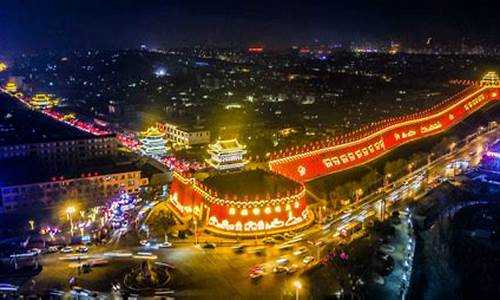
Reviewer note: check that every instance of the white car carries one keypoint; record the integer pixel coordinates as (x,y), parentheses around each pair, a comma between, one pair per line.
(282,261)
(165,245)
(52,249)
(256,274)
(279,269)
(320,243)
(35,250)
(7,287)
(145,255)
(301,251)
(145,243)
(82,249)
(308,259)
(67,249)
(385,248)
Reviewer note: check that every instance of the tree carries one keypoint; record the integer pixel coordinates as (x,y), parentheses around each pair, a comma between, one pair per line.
(443,146)
(396,167)
(370,181)
(418,159)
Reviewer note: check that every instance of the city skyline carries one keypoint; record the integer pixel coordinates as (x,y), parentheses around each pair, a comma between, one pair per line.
(53,25)
(288,150)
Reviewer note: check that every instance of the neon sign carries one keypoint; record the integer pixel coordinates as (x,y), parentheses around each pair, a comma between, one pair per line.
(354,155)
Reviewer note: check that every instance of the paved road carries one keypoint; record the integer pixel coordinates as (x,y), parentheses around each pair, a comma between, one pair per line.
(220,273)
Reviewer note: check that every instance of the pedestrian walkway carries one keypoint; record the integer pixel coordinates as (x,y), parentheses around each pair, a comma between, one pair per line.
(396,284)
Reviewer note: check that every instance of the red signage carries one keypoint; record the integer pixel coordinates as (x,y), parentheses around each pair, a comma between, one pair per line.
(316,163)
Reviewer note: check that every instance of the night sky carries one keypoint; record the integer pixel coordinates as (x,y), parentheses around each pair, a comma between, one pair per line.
(35,24)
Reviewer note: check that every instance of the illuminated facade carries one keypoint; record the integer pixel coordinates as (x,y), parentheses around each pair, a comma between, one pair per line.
(227,155)
(491,159)
(490,79)
(11,87)
(49,190)
(3,67)
(184,136)
(42,101)
(153,143)
(240,215)
(336,154)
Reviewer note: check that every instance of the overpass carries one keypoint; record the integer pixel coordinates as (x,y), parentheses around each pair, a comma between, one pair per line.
(310,161)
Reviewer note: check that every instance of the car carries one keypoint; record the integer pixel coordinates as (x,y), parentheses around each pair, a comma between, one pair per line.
(279,269)
(35,250)
(98,262)
(301,251)
(378,279)
(285,247)
(115,286)
(256,274)
(292,269)
(82,249)
(52,249)
(145,255)
(209,246)
(239,248)
(282,261)
(145,243)
(257,268)
(259,250)
(269,241)
(383,256)
(320,243)
(279,237)
(308,259)
(7,287)
(67,249)
(386,248)
(165,245)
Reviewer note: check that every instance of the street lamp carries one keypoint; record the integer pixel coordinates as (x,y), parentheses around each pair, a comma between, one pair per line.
(359,193)
(32,224)
(410,167)
(452,146)
(195,232)
(386,179)
(298,285)
(69,213)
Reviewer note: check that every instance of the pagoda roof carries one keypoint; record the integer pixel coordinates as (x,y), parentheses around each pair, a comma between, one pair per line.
(227,145)
(39,97)
(152,132)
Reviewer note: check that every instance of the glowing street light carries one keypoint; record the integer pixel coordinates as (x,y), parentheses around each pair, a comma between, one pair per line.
(69,213)
(195,232)
(452,146)
(32,224)
(298,285)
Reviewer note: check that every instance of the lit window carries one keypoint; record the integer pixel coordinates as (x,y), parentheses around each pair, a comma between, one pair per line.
(267,210)
(256,211)
(296,204)
(244,212)
(277,209)
(232,211)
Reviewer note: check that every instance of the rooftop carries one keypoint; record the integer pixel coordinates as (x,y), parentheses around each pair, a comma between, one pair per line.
(19,171)
(225,145)
(250,182)
(20,125)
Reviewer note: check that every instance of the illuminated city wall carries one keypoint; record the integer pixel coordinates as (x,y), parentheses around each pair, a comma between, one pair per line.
(320,161)
(239,216)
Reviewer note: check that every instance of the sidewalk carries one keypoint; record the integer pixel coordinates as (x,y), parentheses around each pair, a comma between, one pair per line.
(396,284)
